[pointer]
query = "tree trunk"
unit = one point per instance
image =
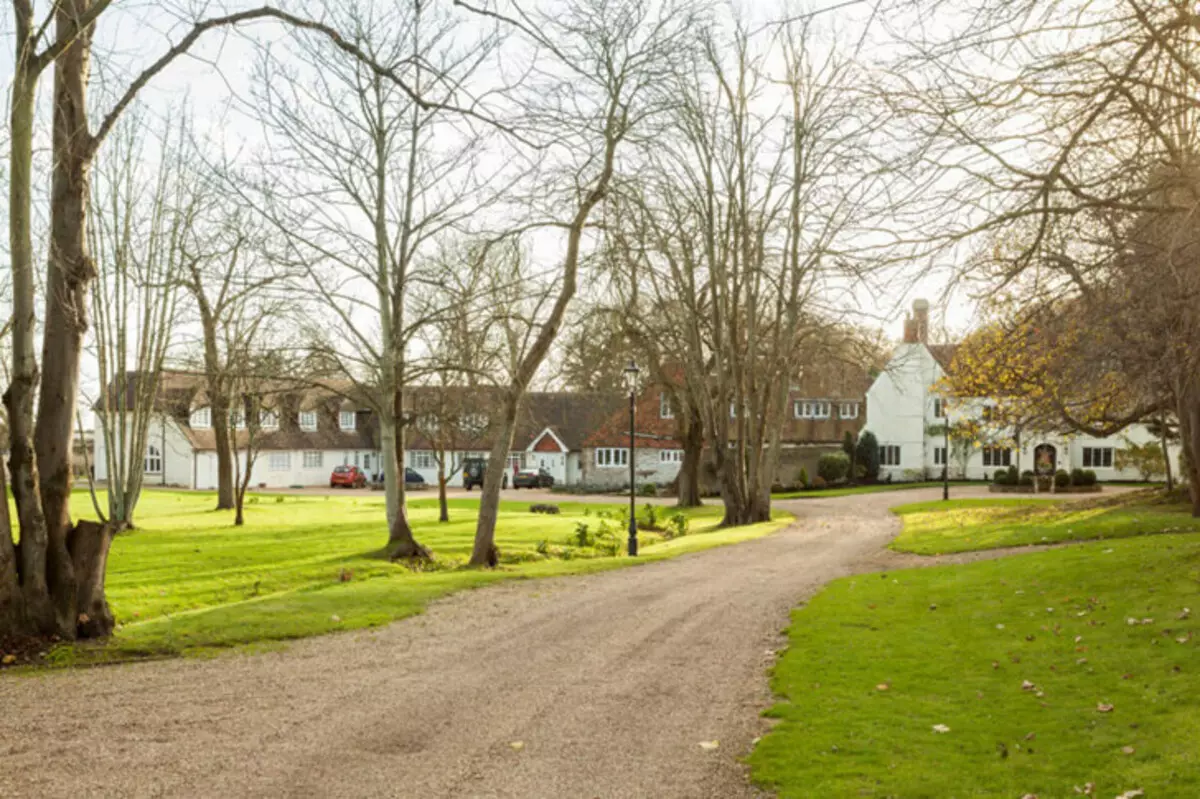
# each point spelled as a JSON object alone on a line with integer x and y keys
{"x": 12, "y": 609}
{"x": 1189, "y": 431}
{"x": 89, "y": 543}
{"x": 219, "y": 406}
{"x": 692, "y": 433}
{"x": 402, "y": 544}
{"x": 443, "y": 508}
{"x": 39, "y": 615}
{"x": 69, "y": 274}
{"x": 484, "y": 552}
{"x": 1166, "y": 450}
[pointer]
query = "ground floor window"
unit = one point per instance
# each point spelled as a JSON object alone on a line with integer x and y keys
{"x": 889, "y": 455}
{"x": 612, "y": 457}
{"x": 1097, "y": 457}
{"x": 848, "y": 410}
{"x": 670, "y": 456}
{"x": 280, "y": 461}
{"x": 153, "y": 460}
{"x": 313, "y": 459}
{"x": 997, "y": 456}
{"x": 421, "y": 459}
{"x": 939, "y": 456}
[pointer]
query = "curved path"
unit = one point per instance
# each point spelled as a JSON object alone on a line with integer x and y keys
{"x": 593, "y": 686}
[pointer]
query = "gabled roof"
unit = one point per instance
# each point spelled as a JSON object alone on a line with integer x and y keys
{"x": 943, "y": 354}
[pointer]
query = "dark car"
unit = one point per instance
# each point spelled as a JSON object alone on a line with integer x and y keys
{"x": 413, "y": 478}
{"x": 533, "y": 478}
{"x": 347, "y": 477}
{"x": 473, "y": 472}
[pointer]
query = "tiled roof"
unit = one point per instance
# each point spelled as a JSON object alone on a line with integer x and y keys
{"x": 943, "y": 354}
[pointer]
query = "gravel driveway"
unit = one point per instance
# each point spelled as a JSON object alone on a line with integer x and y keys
{"x": 595, "y": 686}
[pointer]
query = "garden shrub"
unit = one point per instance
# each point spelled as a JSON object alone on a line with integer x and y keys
{"x": 1026, "y": 478}
{"x": 582, "y": 537}
{"x": 1061, "y": 479}
{"x": 1012, "y": 478}
{"x": 544, "y": 508}
{"x": 819, "y": 483}
{"x": 833, "y": 466}
{"x": 648, "y": 490}
{"x": 677, "y": 526}
{"x": 1077, "y": 478}
{"x": 543, "y": 547}
{"x": 1089, "y": 477}
{"x": 868, "y": 454}
{"x": 803, "y": 478}
{"x": 650, "y": 518}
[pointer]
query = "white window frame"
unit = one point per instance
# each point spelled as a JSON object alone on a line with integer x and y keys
{"x": 670, "y": 456}
{"x": 939, "y": 408}
{"x": 350, "y": 415}
{"x": 612, "y": 457}
{"x": 237, "y": 418}
{"x": 201, "y": 419}
{"x": 886, "y": 451}
{"x": 280, "y": 461}
{"x": 313, "y": 459}
{"x": 421, "y": 459}
{"x": 848, "y": 410}
{"x": 307, "y": 426}
{"x": 997, "y": 456}
{"x": 939, "y": 456}
{"x": 268, "y": 420}
{"x": 665, "y": 410}
{"x": 153, "y": 463}
{"x": 811, "y": 409}
{"x": 1097, "y": 457}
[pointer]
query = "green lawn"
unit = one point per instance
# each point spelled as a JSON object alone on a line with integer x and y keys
{"x": 877, "y": 661}
{"x": 962, "y": 525}
{"x": 187, "y": 580}
{"x": 873, "y": 489}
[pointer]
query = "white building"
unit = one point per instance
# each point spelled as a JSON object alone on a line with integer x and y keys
{"x": 902, "y": 409}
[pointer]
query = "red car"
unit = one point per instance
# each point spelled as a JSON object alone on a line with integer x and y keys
{"x": 347, "y": 477}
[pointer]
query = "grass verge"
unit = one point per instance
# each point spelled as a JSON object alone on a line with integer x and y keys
{"x": 1049, "y": 671}
{"x": 932, "y": 528}
{"x": 872, "y": 489}
{"x": 187, "y": 582}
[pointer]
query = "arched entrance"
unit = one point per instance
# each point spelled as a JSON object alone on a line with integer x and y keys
{"x": 1045, "y": 460}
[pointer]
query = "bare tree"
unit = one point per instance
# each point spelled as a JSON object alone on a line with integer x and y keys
{"x": 359, "y": 179}
{"x": 140, "y": 212}
{"x": 739, "y": 219}
{"x": 603, "y": 63}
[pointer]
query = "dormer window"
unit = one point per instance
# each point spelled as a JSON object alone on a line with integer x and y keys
{"x": 348, "y": 420}
{"x": 201, "y": 419}
{"x": 308, "y": 421}
{"x": 268, "y": 420}
{"x": 665, "y": 411}
{"x": 237, "y": 419}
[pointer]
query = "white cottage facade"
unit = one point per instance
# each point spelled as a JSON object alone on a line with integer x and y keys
{"x": 903, "y": 408}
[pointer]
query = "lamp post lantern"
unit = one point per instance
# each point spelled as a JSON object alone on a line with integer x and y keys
{"x": 631, "y": 383}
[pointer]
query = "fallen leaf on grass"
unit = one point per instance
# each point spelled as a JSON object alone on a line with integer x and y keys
{"x": 1031, "y": 736}
{"x": 1127, "y": 750}
{"x": 940, "y": 728}
{"x": 1088, "y": 789}
{"x": 1030, "y": 796}
{"x": 335, "y": 618}
{"x": 1104, "y": 708}
{"x": 709, "y": 746}
{"x": 1184, "y": 614}
{"x": 1026, "y": 685}
{"x": 1133, "y": 794}
{"x": 882, "y": 686}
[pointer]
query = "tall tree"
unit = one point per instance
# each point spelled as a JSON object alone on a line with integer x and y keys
{"x": 359, "y": 178}
{"x": 597, "y": 66}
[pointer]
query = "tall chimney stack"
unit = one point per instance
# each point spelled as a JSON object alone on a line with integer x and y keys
{"x": 920, "y": 316}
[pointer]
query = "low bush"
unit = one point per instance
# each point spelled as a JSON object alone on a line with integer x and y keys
{"x": 544, "y": 508}
{"x": 677, "y": 526}
{"x": 1012, "y": 476}
{"x": 819, "y": 482}
{"x": 1061, "y": 479}
{"x": 833, "y": 466}
{"x": 1026, "y": 478}
{"x": 1077, "y": 478}
{"x": 648, "y": 490}
{"x": 1089, "y": 477}
{"x": 543, "y": 547}
{"x": 650, "y": 518}
{"x": 582, "y": 537}
{"x": 802, "y": 478}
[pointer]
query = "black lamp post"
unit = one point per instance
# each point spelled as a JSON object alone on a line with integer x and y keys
{"x": 631, "y": 383}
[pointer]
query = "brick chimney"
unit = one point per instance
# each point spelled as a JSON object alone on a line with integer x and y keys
{"x": 916, "y": 325}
